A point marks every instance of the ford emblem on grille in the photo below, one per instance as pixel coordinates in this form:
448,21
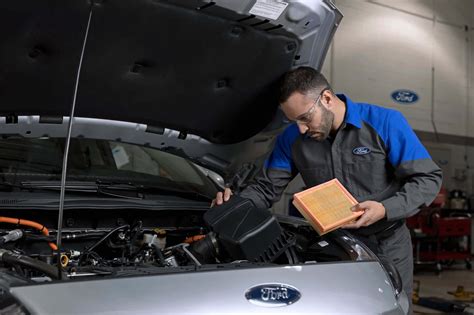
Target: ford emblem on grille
404,96
273,295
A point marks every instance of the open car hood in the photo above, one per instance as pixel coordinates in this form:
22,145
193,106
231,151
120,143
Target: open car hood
178,75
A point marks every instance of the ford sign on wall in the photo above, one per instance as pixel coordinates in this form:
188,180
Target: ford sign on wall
405,96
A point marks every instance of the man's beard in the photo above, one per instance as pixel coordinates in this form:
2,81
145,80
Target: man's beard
327,119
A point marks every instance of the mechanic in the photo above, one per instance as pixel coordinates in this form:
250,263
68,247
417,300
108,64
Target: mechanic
371,150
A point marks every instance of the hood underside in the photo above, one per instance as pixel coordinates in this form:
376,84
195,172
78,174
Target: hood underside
200,67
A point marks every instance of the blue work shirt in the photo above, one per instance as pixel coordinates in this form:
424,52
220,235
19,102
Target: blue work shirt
375,154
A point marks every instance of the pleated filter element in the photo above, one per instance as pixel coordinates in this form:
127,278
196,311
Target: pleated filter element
326,206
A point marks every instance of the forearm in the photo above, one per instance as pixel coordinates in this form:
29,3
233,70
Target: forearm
267,187
422,182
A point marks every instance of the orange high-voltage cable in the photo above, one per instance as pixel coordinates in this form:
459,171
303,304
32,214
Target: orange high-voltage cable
194,238
32,224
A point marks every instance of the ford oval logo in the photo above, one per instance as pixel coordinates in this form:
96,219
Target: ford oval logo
405,96
273,295
361,151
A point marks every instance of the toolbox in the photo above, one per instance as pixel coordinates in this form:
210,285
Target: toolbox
440,240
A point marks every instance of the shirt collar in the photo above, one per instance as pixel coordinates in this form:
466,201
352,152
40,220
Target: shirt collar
352,115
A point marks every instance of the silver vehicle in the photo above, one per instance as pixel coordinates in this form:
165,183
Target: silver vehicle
158,104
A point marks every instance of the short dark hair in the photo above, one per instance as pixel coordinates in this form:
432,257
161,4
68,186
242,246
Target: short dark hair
304,80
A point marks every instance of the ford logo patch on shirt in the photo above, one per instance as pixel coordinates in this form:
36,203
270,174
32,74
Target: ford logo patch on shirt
272,295
361,151
405,96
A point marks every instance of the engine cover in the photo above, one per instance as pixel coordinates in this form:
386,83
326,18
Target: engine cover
244,231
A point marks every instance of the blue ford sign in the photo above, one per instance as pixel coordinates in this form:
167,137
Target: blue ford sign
405,96
272,295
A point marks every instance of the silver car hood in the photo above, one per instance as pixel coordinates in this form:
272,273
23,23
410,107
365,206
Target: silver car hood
335,288
180,75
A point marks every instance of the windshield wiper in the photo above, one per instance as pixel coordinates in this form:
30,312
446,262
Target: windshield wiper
125,190
120,190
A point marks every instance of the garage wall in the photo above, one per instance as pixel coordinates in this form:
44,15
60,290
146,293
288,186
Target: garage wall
426,46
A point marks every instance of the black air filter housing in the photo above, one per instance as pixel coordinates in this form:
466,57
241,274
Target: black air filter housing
244,231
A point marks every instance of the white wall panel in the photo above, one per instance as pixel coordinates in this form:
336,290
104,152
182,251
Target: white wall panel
419,7
458,12
379,50
454,11
383,45
326,69
451,79
470,115
471,81
450,53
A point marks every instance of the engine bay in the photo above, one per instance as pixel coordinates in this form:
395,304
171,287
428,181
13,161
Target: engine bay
127,242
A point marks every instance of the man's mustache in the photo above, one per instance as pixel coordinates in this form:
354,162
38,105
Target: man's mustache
319,135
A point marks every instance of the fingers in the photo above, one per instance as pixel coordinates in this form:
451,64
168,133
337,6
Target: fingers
227,194
373,211
221,197
350,226
360,206
356,207
363,220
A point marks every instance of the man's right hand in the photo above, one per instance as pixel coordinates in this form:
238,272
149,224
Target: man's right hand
221,197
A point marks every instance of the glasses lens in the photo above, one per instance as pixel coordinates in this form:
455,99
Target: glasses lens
307,117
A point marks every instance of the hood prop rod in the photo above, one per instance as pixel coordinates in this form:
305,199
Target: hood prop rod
66,150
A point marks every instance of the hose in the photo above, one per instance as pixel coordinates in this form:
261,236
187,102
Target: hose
72,236
29,223
107,236
25,261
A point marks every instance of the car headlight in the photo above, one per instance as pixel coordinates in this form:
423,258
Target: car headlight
358,250
362,252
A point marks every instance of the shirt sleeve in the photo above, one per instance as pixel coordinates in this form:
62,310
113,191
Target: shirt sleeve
420,175
278,170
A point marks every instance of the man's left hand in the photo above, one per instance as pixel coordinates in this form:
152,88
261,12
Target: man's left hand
373,212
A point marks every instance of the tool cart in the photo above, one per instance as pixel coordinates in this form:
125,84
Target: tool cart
440,239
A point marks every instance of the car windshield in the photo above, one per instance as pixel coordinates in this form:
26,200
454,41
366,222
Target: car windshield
24,159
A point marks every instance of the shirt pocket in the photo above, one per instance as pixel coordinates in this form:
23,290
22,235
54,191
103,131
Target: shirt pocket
316,175
366,175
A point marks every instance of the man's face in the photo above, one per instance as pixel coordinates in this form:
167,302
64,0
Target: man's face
310,114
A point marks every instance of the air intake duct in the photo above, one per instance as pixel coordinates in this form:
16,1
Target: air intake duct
242,232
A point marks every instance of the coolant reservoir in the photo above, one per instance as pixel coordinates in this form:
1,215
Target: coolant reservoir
160,240
157,240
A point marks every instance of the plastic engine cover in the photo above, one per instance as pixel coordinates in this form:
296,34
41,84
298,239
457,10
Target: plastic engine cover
243,231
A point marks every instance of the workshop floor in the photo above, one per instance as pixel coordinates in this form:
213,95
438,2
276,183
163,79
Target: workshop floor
432,285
